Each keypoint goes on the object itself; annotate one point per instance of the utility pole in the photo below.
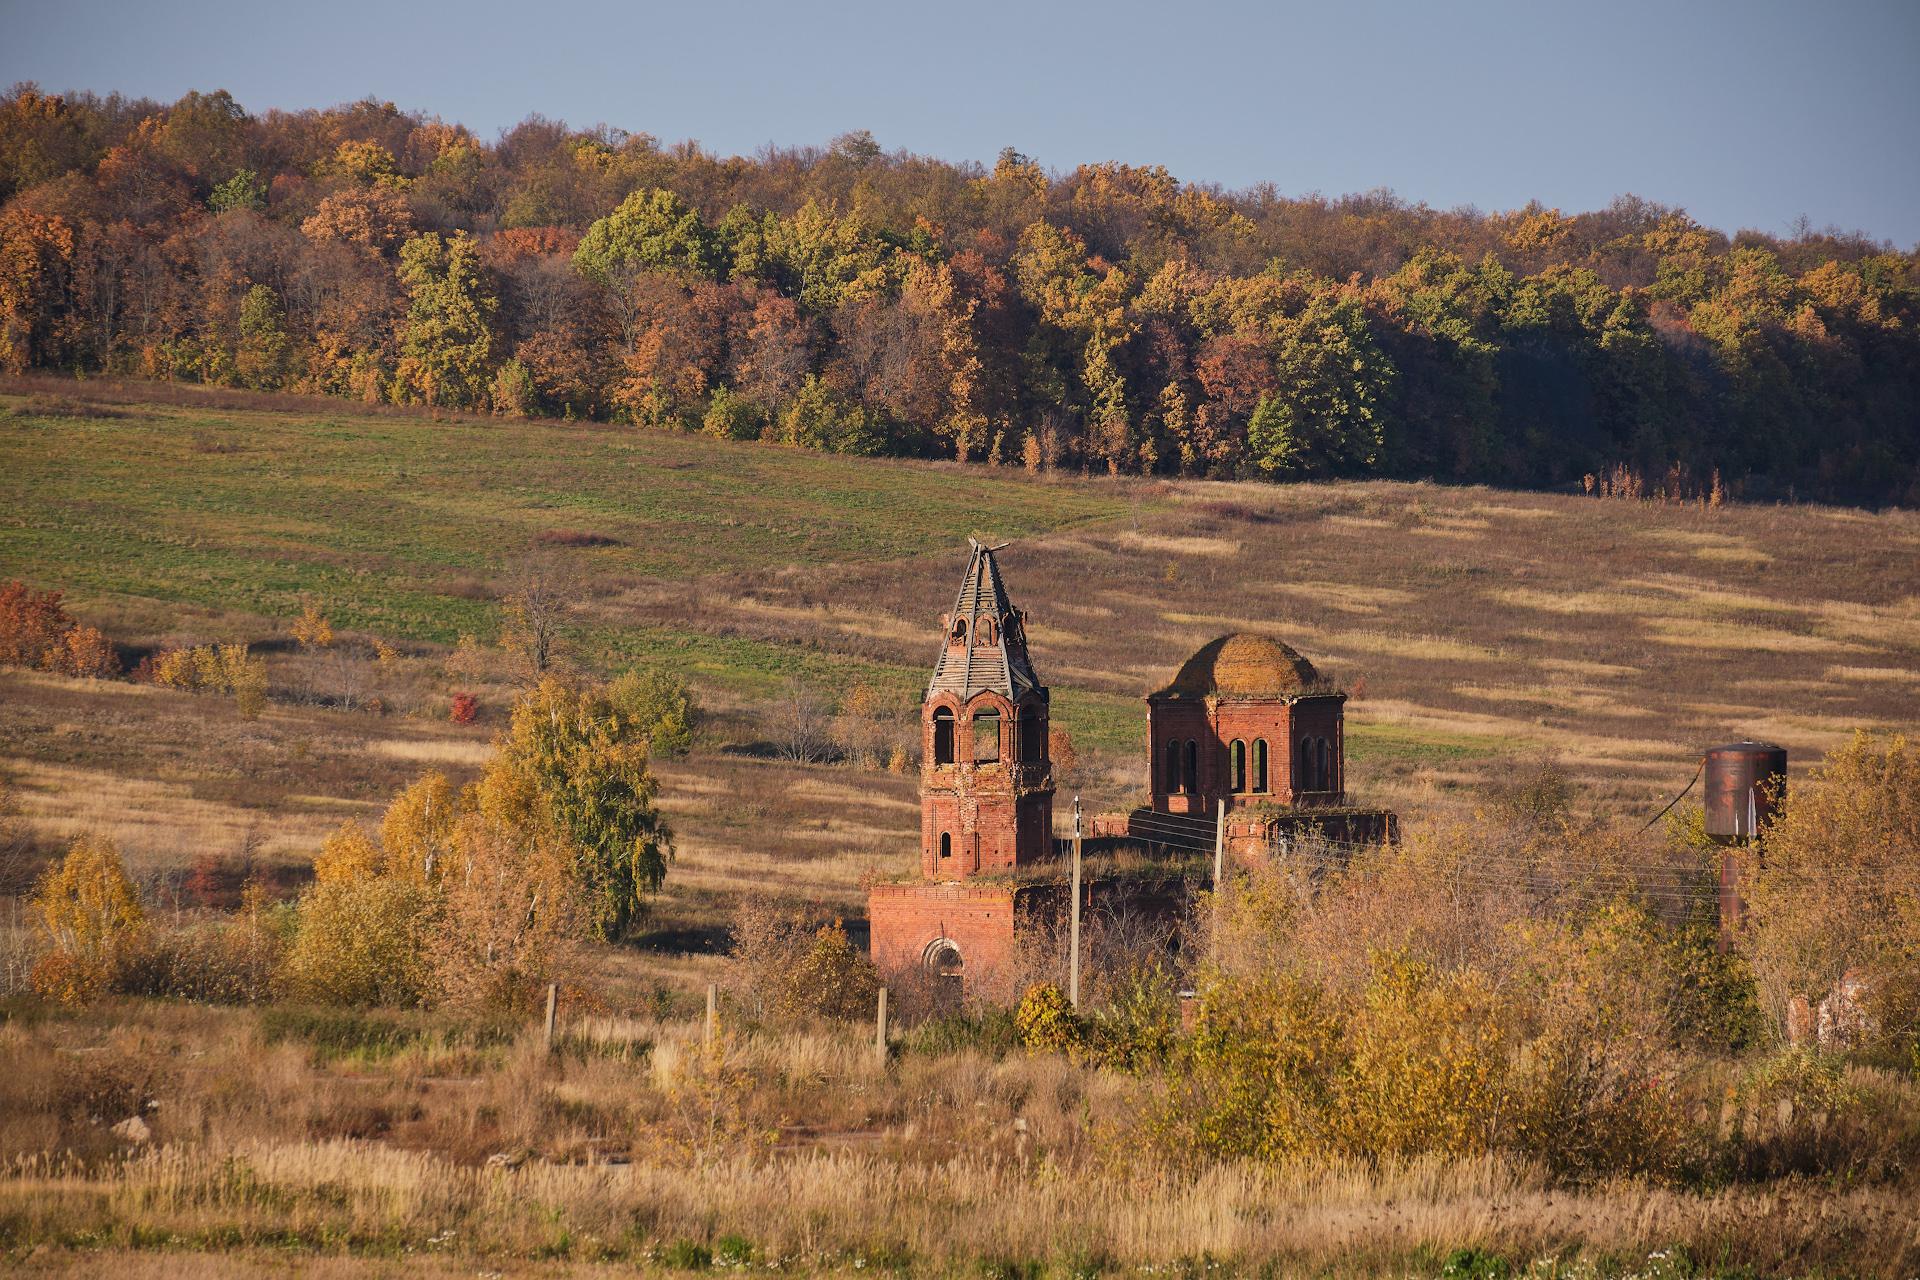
(1219, 845)
(880, 1029)
(1219, 865)
(1073, 960)
(553, 1008)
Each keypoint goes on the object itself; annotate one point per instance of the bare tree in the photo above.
(803, 724)
(542, 594)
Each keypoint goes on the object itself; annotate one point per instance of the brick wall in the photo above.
(905, 919)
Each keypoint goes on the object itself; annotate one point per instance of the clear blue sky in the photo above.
(1748, 114)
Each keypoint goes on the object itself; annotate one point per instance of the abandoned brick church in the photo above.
(1246, 732)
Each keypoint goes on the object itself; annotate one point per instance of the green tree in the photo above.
(243, 190)
(652, 231)
(1329, 415)
(262, 357)
(572, 762)
(817, 418)
(446, 342)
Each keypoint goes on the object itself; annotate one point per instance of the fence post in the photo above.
(712, 1006)
(553, 1007)
(880, 1029)
(1073, 928)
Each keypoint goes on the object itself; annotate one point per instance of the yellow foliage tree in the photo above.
(417, 830)
(89, 913)
(349, 854)
(312, 630)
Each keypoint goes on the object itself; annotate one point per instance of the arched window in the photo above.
(1260, 765)
(943, 735)
(986, 736)
(942, 959)
(946, 846)
(1030, 744)
(1193, 767)
(1326, 765)
(1303, 766)
(984, 632)
(1170, 777)
(1237, 766)
(959, 630)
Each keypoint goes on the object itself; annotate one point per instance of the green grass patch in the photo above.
(393, 522)
(1399, 744)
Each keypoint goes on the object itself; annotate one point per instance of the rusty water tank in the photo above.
(1744, 782)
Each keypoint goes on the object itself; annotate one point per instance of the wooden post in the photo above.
(553, 1007)
(1073, 960)
(713, 998)
(880, 1029)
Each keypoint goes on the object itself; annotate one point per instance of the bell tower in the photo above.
(986, 784)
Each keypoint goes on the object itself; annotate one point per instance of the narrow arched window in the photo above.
(1326, 765)
(1193, 767)
(986, 736)
(943, 735)
(984, 633)
(959, 630)
(946, 845)
(1170, 773)
(1237, 766)
(1303, 766)
(1260, 766)
(1030, 744)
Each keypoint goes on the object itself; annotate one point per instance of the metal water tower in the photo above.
(1745, 782)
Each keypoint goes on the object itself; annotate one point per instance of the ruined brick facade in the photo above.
(1246, 722)
(986, 785)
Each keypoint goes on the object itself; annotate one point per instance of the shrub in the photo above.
(732, 417)
(208, 668)
(90, 916)
(36, 631)
(1839, 890)
(231, 961)
(660, 706)
(360, 942)
(513, 394)
(465, 709)
(990, 1031)
(781, 969)
(1045, 1021)
(1138, 1026)
(1425, 1068)
(1258, 1077)
(832, 980)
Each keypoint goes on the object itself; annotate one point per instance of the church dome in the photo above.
(1243, 666)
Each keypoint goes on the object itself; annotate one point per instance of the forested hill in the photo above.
(864, 301)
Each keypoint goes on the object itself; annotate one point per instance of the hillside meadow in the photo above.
(1474, 627)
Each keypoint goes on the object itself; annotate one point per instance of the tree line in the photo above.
(850, 299)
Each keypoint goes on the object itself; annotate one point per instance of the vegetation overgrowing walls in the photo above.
(860, 301)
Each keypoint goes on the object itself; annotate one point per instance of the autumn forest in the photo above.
(856, 300)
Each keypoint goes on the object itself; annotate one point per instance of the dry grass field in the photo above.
(1474, 627)
(1477, 630)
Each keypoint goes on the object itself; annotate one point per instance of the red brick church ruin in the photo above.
(1246, 727)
